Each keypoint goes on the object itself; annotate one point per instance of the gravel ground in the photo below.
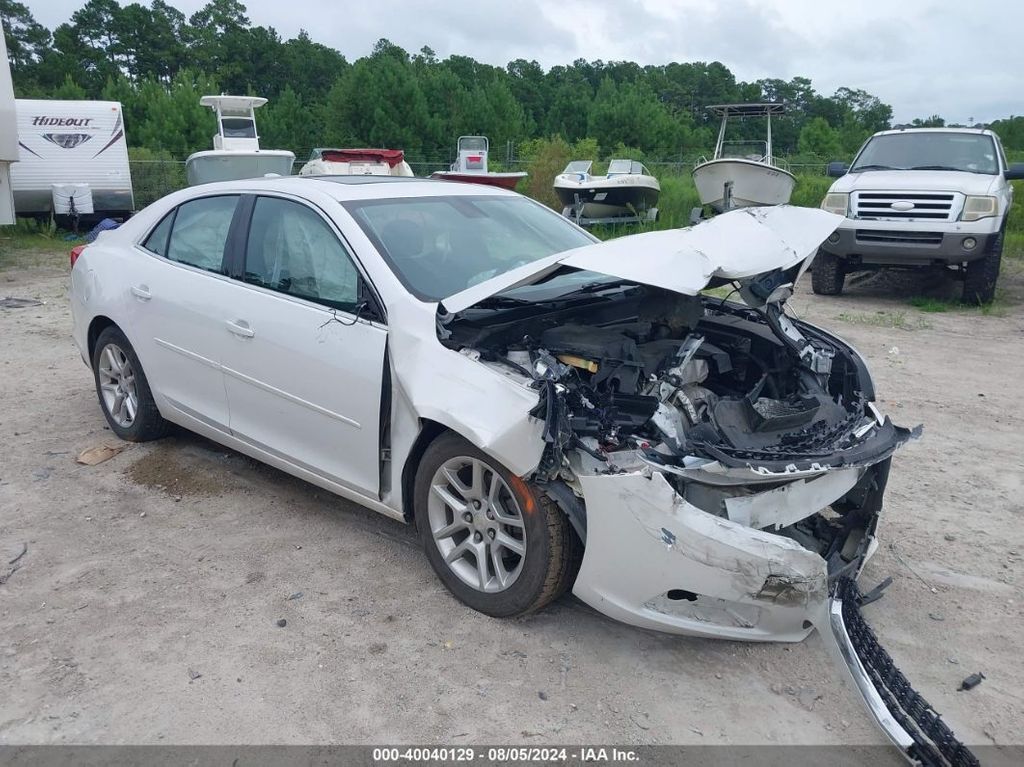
(146, 607)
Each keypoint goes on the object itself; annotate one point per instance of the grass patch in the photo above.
(1013, 244)
(881, 319)
(29, 244)
(932, 305)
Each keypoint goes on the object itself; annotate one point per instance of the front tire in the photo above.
(496, 542)
(828, 274)
(980, 276)
(123, 391)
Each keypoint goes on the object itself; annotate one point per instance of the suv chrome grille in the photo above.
(899, 238)
(933, 206)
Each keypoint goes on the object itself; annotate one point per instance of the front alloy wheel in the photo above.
(477, 524)
(496, 541)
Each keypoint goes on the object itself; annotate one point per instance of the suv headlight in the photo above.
(836, 202)
(976, 207)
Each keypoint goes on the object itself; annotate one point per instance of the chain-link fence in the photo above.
(153, 179)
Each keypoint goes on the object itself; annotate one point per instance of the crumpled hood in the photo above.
(731, 246)
(914, 181)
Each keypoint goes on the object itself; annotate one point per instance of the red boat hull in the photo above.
(503, 180)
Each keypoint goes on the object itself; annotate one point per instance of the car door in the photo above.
(304, 363)
(178, 299)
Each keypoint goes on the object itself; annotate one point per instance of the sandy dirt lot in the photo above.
(145, 607)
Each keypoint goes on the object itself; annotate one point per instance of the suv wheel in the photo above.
(497, 543)
(980, 276)
(827, 275)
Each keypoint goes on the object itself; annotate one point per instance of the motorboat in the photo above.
(743, 173)
(356, 162)
(236, 152)
(627, 192)
(471, 166)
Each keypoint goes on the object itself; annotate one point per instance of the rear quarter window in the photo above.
(199, 232)
(157, 240)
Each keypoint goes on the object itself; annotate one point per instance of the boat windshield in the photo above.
(578, 166)
(238, 127)
(618, 167)
(473, 144)
(439, 246)
(745, 150)
(970, 152)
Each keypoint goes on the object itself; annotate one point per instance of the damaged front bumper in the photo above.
(655, 561)
(692, 572)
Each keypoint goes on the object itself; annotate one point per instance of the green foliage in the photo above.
(631, 114)
(25, 38)
(69, 90)
(819, 139)
(154, 59)
(1011, 132)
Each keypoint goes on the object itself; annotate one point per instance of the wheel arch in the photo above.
(429, 431)
(98, 324)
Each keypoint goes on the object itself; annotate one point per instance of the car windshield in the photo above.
(439, 246)
(970, 152)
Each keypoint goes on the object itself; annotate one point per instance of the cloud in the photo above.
(959, 60)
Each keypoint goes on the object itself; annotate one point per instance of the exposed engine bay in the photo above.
(640, 374)
(723, 463)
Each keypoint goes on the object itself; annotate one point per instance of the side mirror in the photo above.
(837, 169)
(1014, 171)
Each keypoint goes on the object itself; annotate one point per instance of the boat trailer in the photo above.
(574, 213)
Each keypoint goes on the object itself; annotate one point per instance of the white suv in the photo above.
(920, 197)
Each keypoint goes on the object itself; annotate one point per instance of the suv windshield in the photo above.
(439, 246)
(970, 152)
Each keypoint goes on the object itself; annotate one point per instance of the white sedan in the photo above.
(549, 411)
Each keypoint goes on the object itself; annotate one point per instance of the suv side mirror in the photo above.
(1014, 171)
(837, 169)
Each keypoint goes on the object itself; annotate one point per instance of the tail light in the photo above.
(75, 253)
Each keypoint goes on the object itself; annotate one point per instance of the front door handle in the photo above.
(240, 328)
(141, 292)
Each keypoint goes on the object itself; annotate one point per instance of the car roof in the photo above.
(345, 188)
(979, 131)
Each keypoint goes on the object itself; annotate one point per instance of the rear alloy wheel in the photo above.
(828, 274)
(980, 276)
(123, 389)
(498, 544)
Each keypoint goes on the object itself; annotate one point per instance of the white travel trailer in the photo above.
(73, 159)
(8, 135)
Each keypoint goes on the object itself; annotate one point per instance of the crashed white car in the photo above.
(551, 412)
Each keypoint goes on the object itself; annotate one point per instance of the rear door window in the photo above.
(199, 232)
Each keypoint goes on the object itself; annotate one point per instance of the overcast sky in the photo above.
(961, 59)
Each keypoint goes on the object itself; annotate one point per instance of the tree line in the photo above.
(157, 62)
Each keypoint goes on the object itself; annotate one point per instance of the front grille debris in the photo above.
(934, 742)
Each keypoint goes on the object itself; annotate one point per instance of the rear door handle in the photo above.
(240, 328)
(141, 292)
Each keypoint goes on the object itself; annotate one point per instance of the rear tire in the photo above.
(509, 584)
(828, 274)
(980, 276)
(123, 391)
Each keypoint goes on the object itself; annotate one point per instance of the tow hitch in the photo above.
(905, 717)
